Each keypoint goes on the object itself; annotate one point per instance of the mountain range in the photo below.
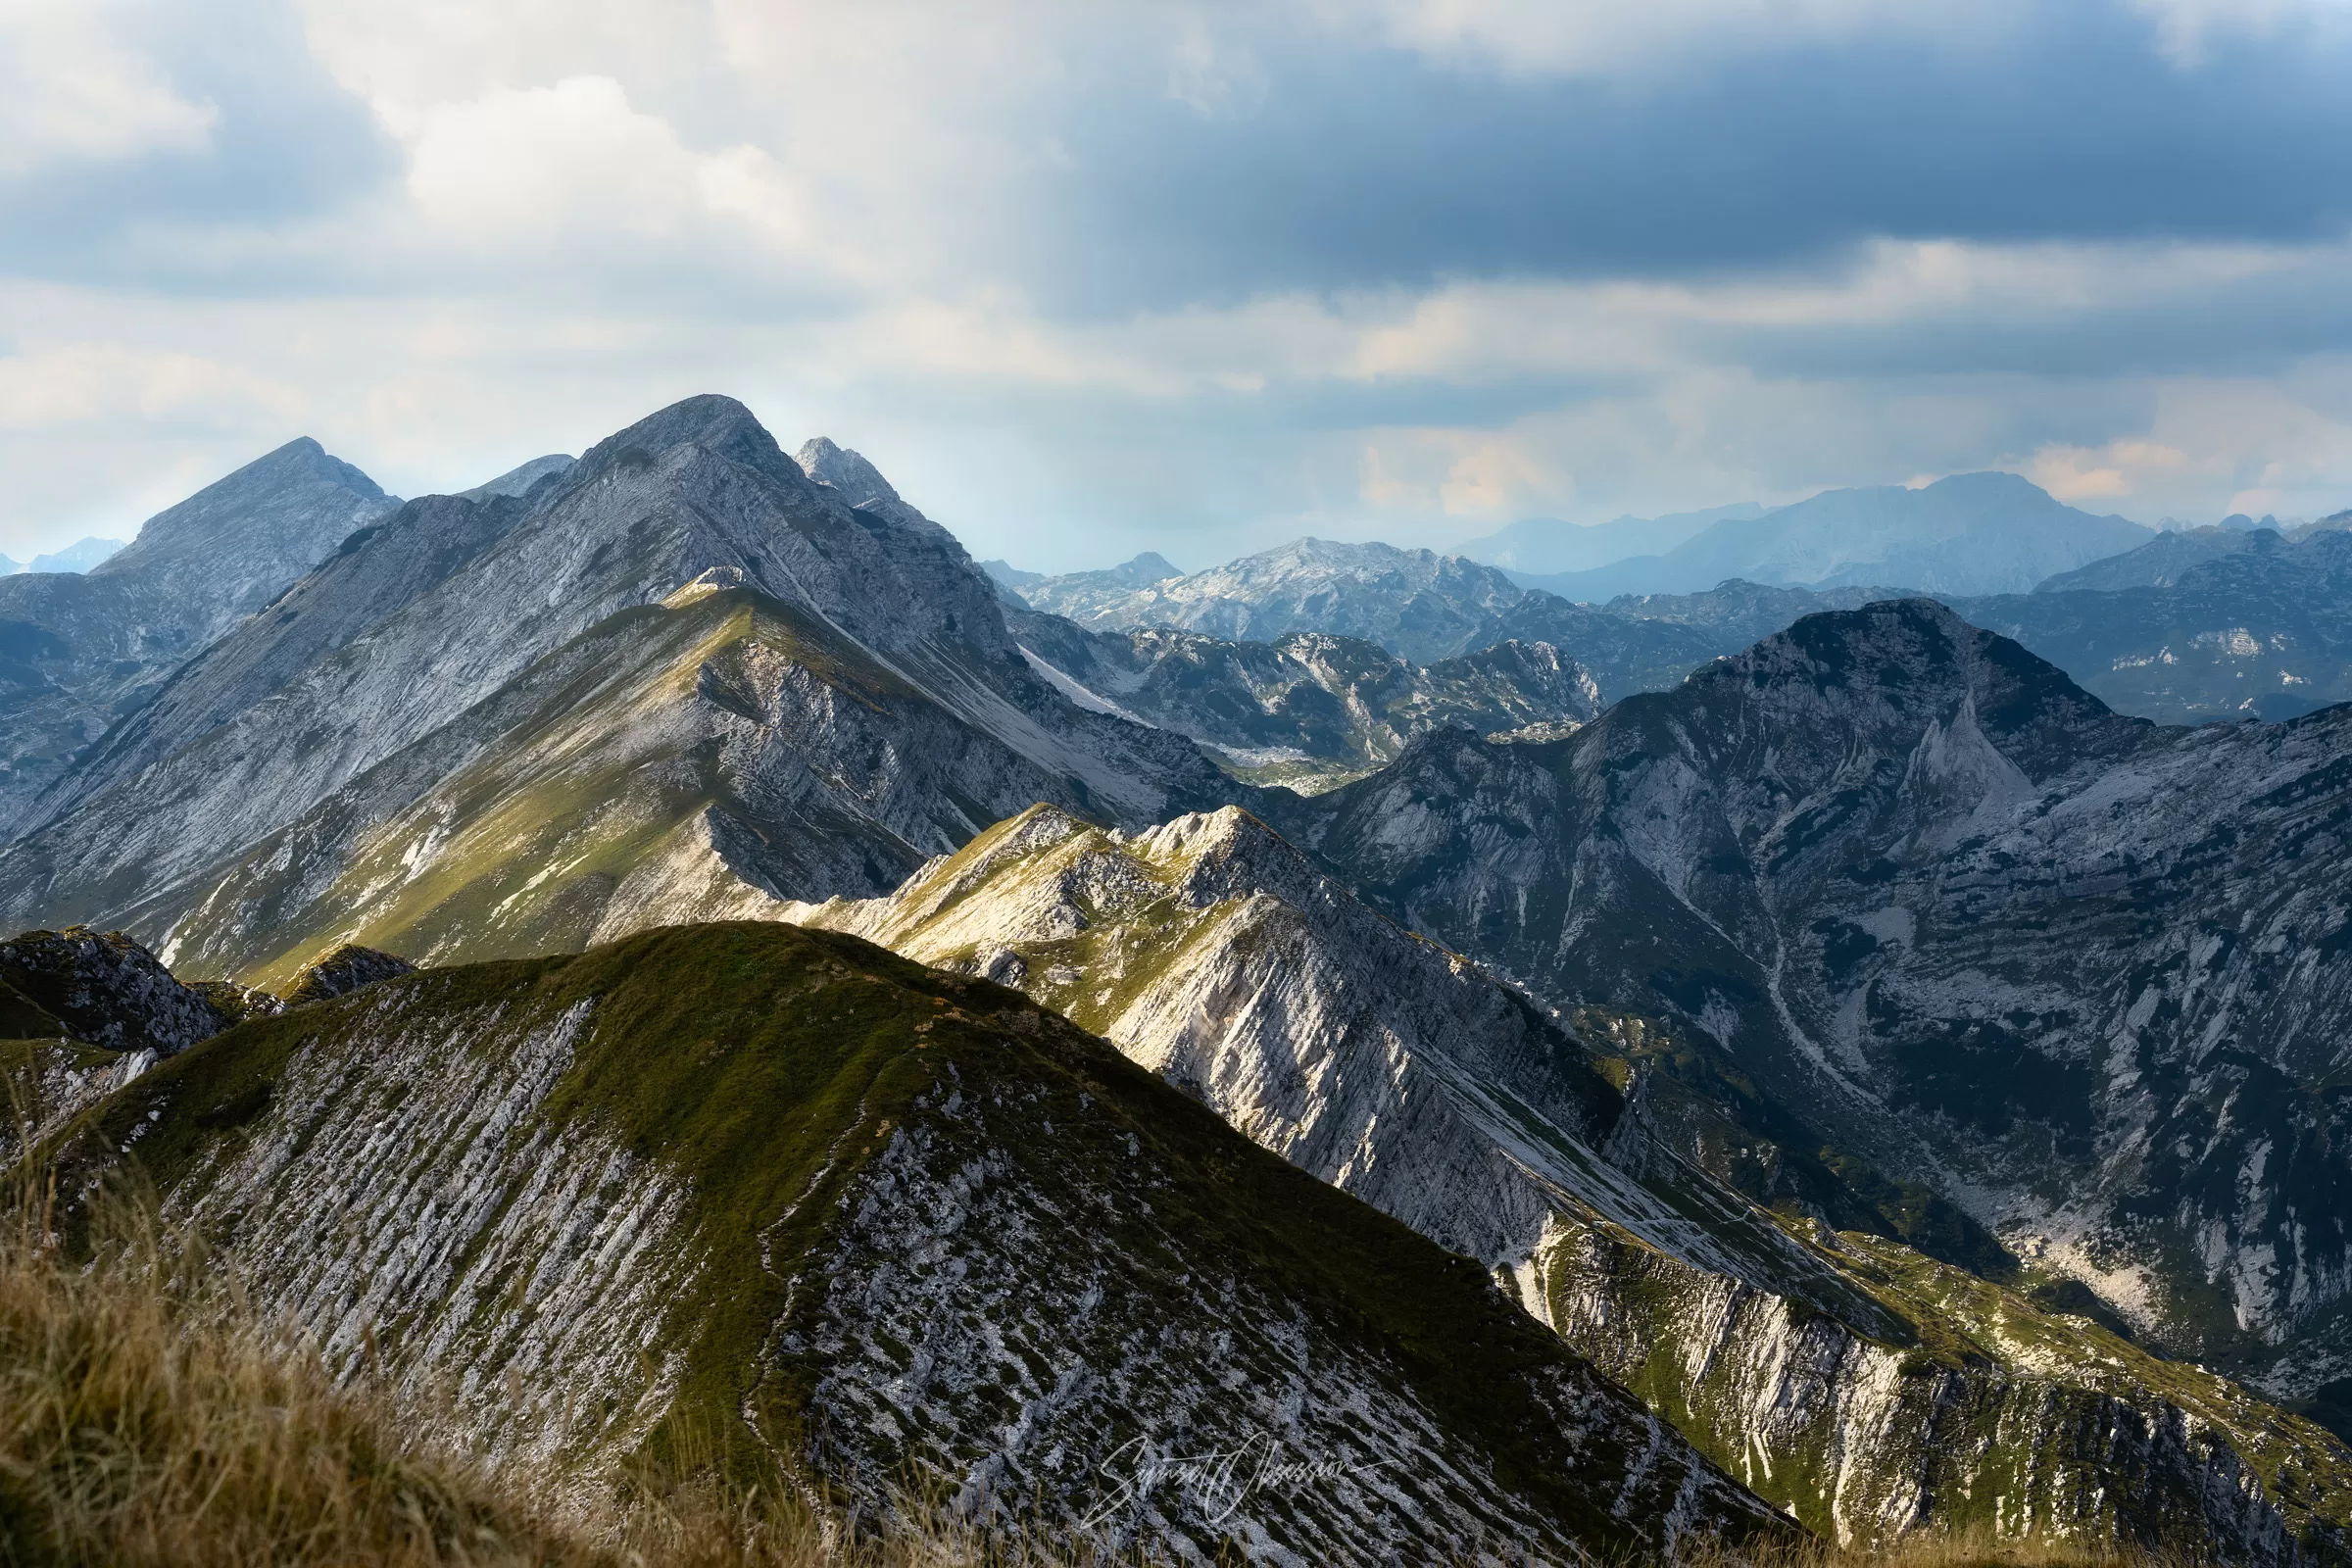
(80, 556)
(2070, 967)
(1669, 1068)
(1972, 533)
(1544, 545)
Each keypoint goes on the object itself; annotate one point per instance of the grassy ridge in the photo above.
(148, 1418)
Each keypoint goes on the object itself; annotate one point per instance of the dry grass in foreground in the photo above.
(145, 1419)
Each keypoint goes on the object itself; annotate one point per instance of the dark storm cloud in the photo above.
(1356, 167)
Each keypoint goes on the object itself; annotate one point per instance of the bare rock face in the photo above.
(106, 990)
(341, 971)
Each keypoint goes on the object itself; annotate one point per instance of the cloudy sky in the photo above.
(1086, 279)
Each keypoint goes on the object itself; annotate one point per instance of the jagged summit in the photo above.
(858, 481)
(1888, 669)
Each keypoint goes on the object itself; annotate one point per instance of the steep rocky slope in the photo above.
(2073, 970)
(84, 1012)
(682, 652)
(746, 1191)
(1818, 1367)
(79, 649)
(1212, 952)
(1309, 707)
(1415, 602)
(1994, 1417)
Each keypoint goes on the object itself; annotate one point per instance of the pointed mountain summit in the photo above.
(77, 650)
(245, 534)
(680, 679)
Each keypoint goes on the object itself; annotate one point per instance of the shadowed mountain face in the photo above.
(79, 649)
(2070, 968)
(785, 1197)
(682, 675)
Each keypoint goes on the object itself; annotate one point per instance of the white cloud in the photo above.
(73, 86)
(2186, 31)
(605, 204)
(1548, 38)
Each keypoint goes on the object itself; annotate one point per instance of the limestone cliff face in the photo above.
(1998, 1416)
(781, 1190)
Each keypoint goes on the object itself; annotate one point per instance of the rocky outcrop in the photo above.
(782, 1194)
(102, 989)
(84, 1012)
(341, 971)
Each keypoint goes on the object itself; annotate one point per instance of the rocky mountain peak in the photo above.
(709, 423)
(858, 481)
(1892, 670)
(101, 986)
(294, 504)
(341, 971)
